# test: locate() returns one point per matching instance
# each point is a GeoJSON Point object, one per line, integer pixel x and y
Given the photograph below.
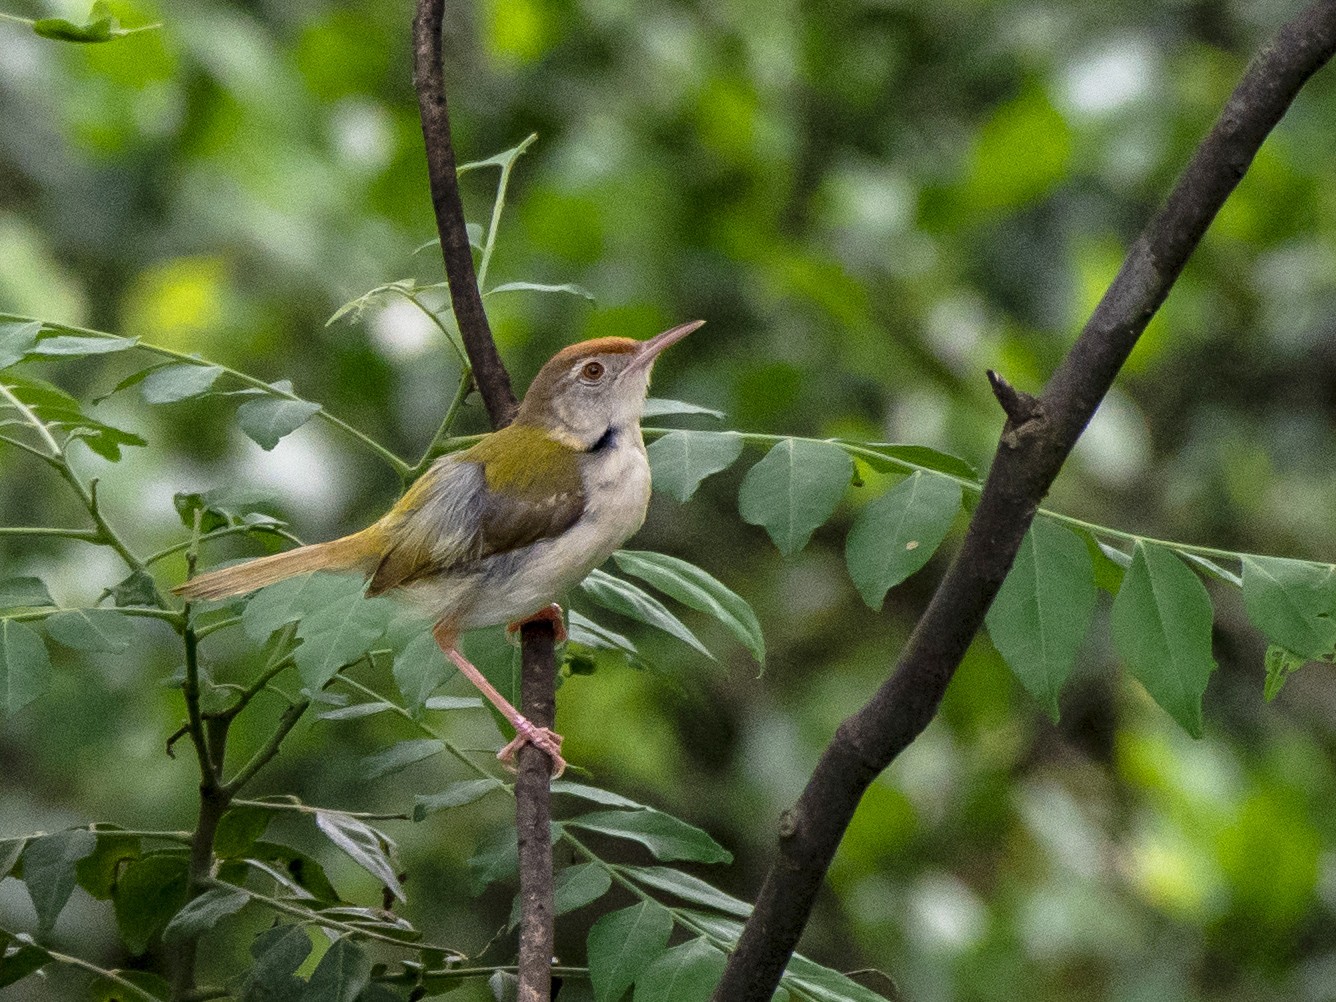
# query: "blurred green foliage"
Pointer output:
{"type": "Point", "coordinates": [870, 203]}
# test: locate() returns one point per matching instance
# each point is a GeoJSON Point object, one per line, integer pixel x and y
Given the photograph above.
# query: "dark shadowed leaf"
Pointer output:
{"type": "Point", "coordinates": [794, 489]}
{"type": "Point", "coordinates": [343, 972]}
{"type": "Point", "coordinates": [238, 831]}
{"type": "Point", "coordinates": [24, 593]}
{"type": "Point", "coordinates": [149, 893]}
{"type": "Point", "coordinates": [1162, 628]}
{"type": "Point", "coordinates": [19, 957]}
{"type": "Point", "coordinates": [622, 944]}
{"type": "Point", "coordinates": [98, 872]}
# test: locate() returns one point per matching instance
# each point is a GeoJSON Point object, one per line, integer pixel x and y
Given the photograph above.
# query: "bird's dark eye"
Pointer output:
{"type": "Point", "coordinates": [592, 372]}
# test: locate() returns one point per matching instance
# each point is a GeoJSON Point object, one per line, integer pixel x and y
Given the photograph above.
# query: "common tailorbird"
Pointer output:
{"type": "Point", "coordinates": [496, 533]}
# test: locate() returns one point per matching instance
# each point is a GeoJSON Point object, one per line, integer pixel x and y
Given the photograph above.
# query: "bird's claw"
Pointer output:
{"type": "Point", "coordinates": [544, 739]}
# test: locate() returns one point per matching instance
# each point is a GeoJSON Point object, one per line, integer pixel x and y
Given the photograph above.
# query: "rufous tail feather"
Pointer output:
{"type": "Point", "coordinates": [359, 552]}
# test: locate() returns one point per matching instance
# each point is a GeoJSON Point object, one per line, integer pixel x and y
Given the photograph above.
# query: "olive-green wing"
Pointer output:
{"type": "Point", "coordinates": [451, 518]}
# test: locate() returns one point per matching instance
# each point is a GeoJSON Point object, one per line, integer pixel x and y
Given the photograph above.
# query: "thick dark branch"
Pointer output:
{"type": "Point", "coordinates": [533, 817]}
{"type": "Point", "coordinates": [429, 80]}
{"type": "Point", "coordinates": [538, 700]}
{"type": "Point", "coordinates": [1026, 464]}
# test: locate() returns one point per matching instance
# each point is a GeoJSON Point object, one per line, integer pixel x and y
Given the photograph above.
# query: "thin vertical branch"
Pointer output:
{"type": "Point", "coordinates": [533, 795]}
{"type": "Point", "coordinates": [1038, 437]}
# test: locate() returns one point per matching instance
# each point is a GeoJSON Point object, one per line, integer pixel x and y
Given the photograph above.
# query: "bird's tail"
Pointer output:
{"type": "Point", "coordinates": [359, 552]}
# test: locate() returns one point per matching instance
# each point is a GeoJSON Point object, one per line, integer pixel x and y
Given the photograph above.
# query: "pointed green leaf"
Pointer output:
{"type": "Point", "coordinates": [898, 533]}
{"type": "Point", "coordinates": [794, 489]}
{"type": "Point", "coordinates": [290, 600]}
{"type": "Point", "coordinates": [399, 756]}
{"type": "Point", "coordinates": [337, 634]}
{"type": "Point", "coordinates": [454, 703]}
{"type": "Point", "coordinates": [1280, 665]}
{"type": "Point", "coordinates": [680, 460]}
{"type": "Point", "coordinates": [825, 985]}
{"type": "Point", "coordinates": [457, 794]}
{"type": "Point", "coordinates": [98, 872]}
{"type": "Point", "coordinates": [1162, 629]}
{"type": "Point", "coordinates": [203, 913]}
{"type": "Point", "coordinates": [16, 340]}
{"type": "Point", "coordinates": [580, 885]}
{"type": "Point", "coordinates": [419, 669]}
{"type": "Point", "coordinates": [570, 288]}
{"type": "Point", "coordinates": [19, 957]}
{"type": "Point", "coordinates": [267, 419]}
{"type": "Point", "coordinates": [149, 893]}
{"type": "Point", "coordinates": [1293, 602]}
{"type": "Point", "coordinates": [68, 344]}
{"type": "Point", "coordinates": [92, 630]}
{"type": "Point", "coordinates": [278, 953]}
{"type": "Point", "coordinates": [583, 630]}
{"type": "Point", "coordinates": [342, 974]}
{"type": "Point", "coordinates": [695, 588]}
{"type": "Point", "coordinates": [622, 944]}
{"type": "Point", "coordinates": [1043, 610]}
{"type": "Point", "coordinates": [25, 667]}
{"type": "Point", "coordinates": [686, 973]}
{"type": "Point", "coordinates": [629, 600]}
{"type": "Point", "coordinates": [369, 848]}
{"type": "Point", "coordinates": [688, 888]}
{"type": "Point", "coordinates": [356, 710]}
{"type": "Point", "coordinates": [598, 796]}
{"type": "Point", "coordinates": [659, 407]}
{"type": "Point", "coordinates": [890, 457]}
{"type": "Point", "coordinates": [238, 831]}
{"type": "Point", "coordinates": [667, 837]}
{"type": "Point", "coordinates": [24, 593]}
{"type": "Point", "coordinates": [50, 869]}
{"type": "Point", "coordinates": [172, 383]}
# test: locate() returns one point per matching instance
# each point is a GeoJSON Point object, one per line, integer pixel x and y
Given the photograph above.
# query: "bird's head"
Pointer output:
{"type": "Point", "coordinates": [595, 386]}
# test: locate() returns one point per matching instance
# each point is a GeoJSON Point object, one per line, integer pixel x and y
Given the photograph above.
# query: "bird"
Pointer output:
{"type": "Point", "coordinates": [497, 532]}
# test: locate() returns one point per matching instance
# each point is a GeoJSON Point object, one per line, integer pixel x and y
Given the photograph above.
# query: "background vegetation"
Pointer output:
{"type": "Point", "coordinates": [870, 204]}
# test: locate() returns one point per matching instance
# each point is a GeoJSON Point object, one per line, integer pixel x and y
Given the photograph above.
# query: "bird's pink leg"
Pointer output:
{"type": "Point", "coordinates": [543, 738]}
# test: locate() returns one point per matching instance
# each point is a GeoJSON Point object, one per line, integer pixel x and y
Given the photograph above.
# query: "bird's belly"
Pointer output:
{"type": "Point", "coordinates": [514, 585]}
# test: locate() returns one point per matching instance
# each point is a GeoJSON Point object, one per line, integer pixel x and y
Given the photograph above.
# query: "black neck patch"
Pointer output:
{"type": "Point", "coordinates": [606, 441]}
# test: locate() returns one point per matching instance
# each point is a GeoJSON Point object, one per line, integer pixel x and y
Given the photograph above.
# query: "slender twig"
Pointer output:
{"type": "Point", "coordinates": [287, 721]}
{"type": "Point", "coordinates": [462, 391]}
{"type": "Point", "coordinates": [110, 975]}
{"type": "Point", "coordinates": [290, 803]}
{"type": "Point", "coordinates": [1027, 461]}
{"type": "Point", "coordinates": [231, 530]}
{"type": "Point", "coordinates": [87, 535]}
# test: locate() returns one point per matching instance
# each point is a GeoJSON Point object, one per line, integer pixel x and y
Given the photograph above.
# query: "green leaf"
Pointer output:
{"type": "Point", "coordinates": [497, 857]}
{"type": "Point", "coordinates": [67, 344]}
{"type": "Point", "coordinates": [24, 593]}
{"type": "Point", "coordinates": [104, 989]}
{"type": "Point", "coordinates": [1110, 564]}
{"type": "Point", "coordinates": [898, 533]}
{"type": "Point", "coordinates": [298, 869]}
{"type": "Point", "coordinates": [686, 973]}
{"type": "Point", "coordinates": [794, 489]}
{"type": "Point", "coordinates": [583, 630]}
{"type": "Point", "coordinates": [622, 944]}
{"type": "Point", "coordinates": [883, 456]}
{"type": "Point", "coordinates": [1162, 629]}
{"type": "Point", "coordinates": [457, 794]}
{"type": "Point", "coordinates": [103, 439]}
{"type": "Point", "coordinates": [137, 588]}
{"type": "Point", "coordinates": [171, 383]}
{"type": "Point", "coordinates": [659, 407]}
{"type": "Point", "coordinates": [342, 974]}
{"type": "Point", "coordinates": [338, 634]}
{"type": "Point", "coordinates": [695, 588]}
{"type": "Point", "coordinates": [1043, 610]}
{"type": "Point", "coordinates": [569, 288]}
{"type": "Point", "coordinates": [92, 630]}
{"type": "Point", "coordinates": [288, 601]}
{"type": "Point", "coordinates": [19, 957]}
{"type": "Point", "coordinates": [203, 913]}
{"type": "Point", "coordinates": [278, 953]}
{"type": "Point", "coordinates": [50, 865]}
{"type": "Point", "coordinates": [25, 667]}
{"type": "Point", "coordinates": [1280, 664]}
{"type": "Point", "coordinates": [370, 849]}
{"type": "Point", "coordinates": [149, 893]}
{"type": "Point", "coordinates": [454, 703]}
{"type": "Point", "coordinates": [1293, 602]}
{"type": "Point", "coordinates": [356, 711]}
{"type": "Point", "coordinates": [825, 985]}
{"type": "Point", "coordinates": [629, 600]}
{"type": "Point", "coordinates": [680, 460]}
{"type": "Point", "coordinates": [667, 837]}
{"type": "Point", "coordinates": [267, 419]}
{"type": "Point", "coordinates": [10, 851]}
{"type": "Point", "coordinates": [238, 831]}
{"type": "Point", "coordinates": [580, 885]}
{"type": "Point", "coordinates": [596, 795]}
{"type": "Point", "coordinates": [506, 158]}
{"type": "Point", "coordinates": [688, 888]}
{"type": "Point", "coordinates": [399, 756]}
{"type": "Point", "coordinates": [419, 669]}
{"type": "Point", "coordinates": [16, 340]}
{"type": "Point", "coordinates": [98, 872]}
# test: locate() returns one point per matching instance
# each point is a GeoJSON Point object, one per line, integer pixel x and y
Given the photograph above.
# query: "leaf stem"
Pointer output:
{"type": "Point", "coordinates": [231, 530]}
{"type": "Point", "coordinates": [451, 414]}
{"type": "Point", "coordinates": [87, 535]}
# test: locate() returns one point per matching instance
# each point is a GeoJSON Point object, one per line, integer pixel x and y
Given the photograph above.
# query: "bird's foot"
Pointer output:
{"type": "Point", "coordinates": [551, 614]}
{"type": "Point", "coordinates": [544, 739]}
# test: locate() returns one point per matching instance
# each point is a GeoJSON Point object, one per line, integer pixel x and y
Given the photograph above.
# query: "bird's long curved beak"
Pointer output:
{"type": "Point", "coordinates": [649, 350]}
